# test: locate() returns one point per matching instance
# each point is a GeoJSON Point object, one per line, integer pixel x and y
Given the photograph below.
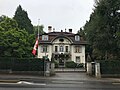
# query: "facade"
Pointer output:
{"type": "Point", "coordinates": [62, 47]}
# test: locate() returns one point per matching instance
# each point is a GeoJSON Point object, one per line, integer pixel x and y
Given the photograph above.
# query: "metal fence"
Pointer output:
{"type": "Point", "coordinates": [24, 64]}
{"type": "Point", "coordinates": [110, 66]}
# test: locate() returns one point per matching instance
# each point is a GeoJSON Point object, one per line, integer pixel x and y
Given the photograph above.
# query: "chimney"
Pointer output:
{"type": "Point", "coordinates": [70, 30]}
{"type": "Point", "coordinates": [53, 29]}
{"type": "Point", "coordinates": [65, 29]}
{"type": "Point", "coordinates": [49, 28]}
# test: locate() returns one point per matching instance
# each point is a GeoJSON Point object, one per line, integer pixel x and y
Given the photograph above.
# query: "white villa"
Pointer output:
{"type": "Point", "coordinates": [62, 46]}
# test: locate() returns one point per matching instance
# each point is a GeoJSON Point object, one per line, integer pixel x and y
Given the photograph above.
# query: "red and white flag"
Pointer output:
{"type": "Point", "coordinates": [35, 47]}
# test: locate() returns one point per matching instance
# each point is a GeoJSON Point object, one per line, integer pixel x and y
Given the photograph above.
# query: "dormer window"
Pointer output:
{"type": "Point", "coordinates": [77, 38]}
{"type": "Point", "coordinates": [45, 37]}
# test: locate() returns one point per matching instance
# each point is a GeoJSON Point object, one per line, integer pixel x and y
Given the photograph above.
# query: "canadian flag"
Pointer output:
{"type": "Point", "coordinates": [35, 47]}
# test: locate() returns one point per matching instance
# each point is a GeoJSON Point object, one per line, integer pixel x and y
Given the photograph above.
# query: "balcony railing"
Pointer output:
{"type": "Point", "coordinates": [61, 52]}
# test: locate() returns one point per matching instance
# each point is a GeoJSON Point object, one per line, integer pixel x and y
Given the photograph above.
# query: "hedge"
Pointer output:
{"type": "Point", "coordinates": [72, 64]}
{"type": "Point", "coordinates": [110, 66]}
{"type": "Point", "coordinates": [22, 64]}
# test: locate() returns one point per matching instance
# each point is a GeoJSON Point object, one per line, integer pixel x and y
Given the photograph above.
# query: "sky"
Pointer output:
{"type": "Point", "coordinates": [60, 14]}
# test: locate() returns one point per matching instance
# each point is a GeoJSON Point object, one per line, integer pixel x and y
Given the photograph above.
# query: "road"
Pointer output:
{"type": "Point", "coordinates": [62, 81]}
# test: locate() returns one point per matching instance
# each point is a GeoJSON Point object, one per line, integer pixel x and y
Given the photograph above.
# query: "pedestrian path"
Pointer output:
{"type": "Point", "coordinates": [70, 70]}
{"type": "Point", "coordinates": [61, 76]}
{"type": "Point", "coordinates": [78, 76]}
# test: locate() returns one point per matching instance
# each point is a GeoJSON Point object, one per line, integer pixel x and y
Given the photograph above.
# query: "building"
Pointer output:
{"type": "Point", "coordinates": [62, 46]}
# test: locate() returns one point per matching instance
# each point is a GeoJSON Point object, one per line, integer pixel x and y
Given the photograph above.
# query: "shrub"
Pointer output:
{"type": "Point", "coordinates": [56, 64]}
{"type": "Point", "coordinates": [70, 64]}
{"type": "Point", "coordinates": [21, 64]}
{"type": "Point", "coordinates": [80, 65]}
{"type": "Point", "coordinates": [110, 66]}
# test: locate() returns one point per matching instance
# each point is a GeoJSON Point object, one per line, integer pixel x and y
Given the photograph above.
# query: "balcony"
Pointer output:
{"type": "Point", "coordinates": [65, 53]}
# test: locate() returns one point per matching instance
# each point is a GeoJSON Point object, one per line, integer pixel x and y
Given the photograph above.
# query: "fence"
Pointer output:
{"type": "Point", "coordinates": [110, 66]}
{"type": "Point", "coordinates": [104, 68]}
{"type": "Point", "coordinates": [24, 64]}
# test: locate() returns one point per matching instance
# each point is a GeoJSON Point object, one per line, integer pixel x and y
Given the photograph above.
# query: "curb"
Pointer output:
{"type": "Point", "coordinates": [69, 71]}
{"type": "Point", "coordinates": [9, 81]}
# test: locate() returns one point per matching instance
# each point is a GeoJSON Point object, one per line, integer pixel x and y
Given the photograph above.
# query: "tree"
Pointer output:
{"type": "Point", "coordinates": [23, 20]}
{"type": "Point", "coordinates": [13, 41]}
{"type": "Point", "coordinates": [40, 30]}
{"type": "Point", "coordinates": [81, 32]}
{"type": "Point", "coordinates": [102, 29]}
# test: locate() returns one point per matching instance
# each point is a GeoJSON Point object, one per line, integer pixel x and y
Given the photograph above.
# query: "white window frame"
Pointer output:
{"type": "Point", "coordinates": [56, 48]}
{"type": "Point", "coordinates": [45, 37]}
{"type": "Point", "coordinates": [43, 49]}
{"type": "Point", "coordinates": [77, 38]}
{"type": "Point", "coordinates": [61, 48]}
{"type": "Point", "coordinates": [78, 49]}
{"type": "Point", "coordinates": [77, 59]}
{"type": "Point", "coordinates": [66, 49]}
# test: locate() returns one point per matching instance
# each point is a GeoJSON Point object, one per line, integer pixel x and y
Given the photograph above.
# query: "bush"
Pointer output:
{"type": "Point", "coordinates": [21, 64]}
{"type": "Point", "coordinates": [80, 65]}
{"type": "Point", "coordinates": [110, 66]}
{"type": "Point", "coordinates": [70, 64]}
{"type": "Point", "coordinates": [56, 64]}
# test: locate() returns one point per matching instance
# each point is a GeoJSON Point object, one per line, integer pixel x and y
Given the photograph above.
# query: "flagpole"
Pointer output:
{"type": "Point", "coordinates": [38, 35]}
{"type": "Point", "coordinates": [38, 28]}
{"type": "Point", "coordinates": [37, 41]}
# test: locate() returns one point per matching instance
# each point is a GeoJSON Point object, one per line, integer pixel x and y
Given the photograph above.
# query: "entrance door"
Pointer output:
{"type": "Point", "coordinates": [61, 62]}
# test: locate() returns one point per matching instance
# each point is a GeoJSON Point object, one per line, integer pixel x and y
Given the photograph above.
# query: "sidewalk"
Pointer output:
{"type": "Point", "coordinates": [59, 76]}
{"type": "Point", "coordinates": [69, 70]}
{"type": "Point", "coordinates": [81, 77]}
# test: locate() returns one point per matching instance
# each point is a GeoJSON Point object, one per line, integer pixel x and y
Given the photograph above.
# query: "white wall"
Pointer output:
{"type": "Point", "coordinates": [71, 48]}
{"type": "Point", "coordinates": [49, 53]}
{"type": "Point", "coordinates": [66, 42]}
{"type": "Point", "coordinates": [81, 54]}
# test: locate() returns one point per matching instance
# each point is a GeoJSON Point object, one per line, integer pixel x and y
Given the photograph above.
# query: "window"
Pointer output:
{"type": "Point", "coordinates": [78, 49]}
{"type": "Point", "coordinates": [61, 40]}
{"type": "Point", "coordinates": [77, 38]}
{"type": "Point", "coordinates": [61, 48]}
{"type": "Point", "coordinates": [44, 49]}
{"type": "Point", "coordinates": [45, 37]}
{"type": "Point", "coordinates": [66, 48]}
{"type": "Point", "coordinates": [56, 48]}
{"type": "Point", "coordinates": [77, 59]}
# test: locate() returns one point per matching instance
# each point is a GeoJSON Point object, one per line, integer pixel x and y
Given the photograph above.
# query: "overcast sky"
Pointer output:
{"type": "Point", "coordinates": [60, 14]}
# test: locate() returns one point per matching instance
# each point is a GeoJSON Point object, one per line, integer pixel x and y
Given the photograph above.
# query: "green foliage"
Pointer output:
{"type": "Point", "coordinates": [70, 64]}
{"type": "Point", "coordinates": [110, 66]}
{"type": "Point", "coordinates": [81, 32]}
{"type": "Point", "coordinates": [21, 64]}
{"type": "Point", "coordinates": [14, 42]}
{"type": "Point", "coordinates": [24, 23]}
{"type": "Point", "coordinates": [80, 65]}
{"type": "Point", "coordinates": [102, 30]}
{"type": "Point", "coordinates": [17, 37]}
{"type": "Point", "coordinates": [40, 28]}
{"type": "Point", "coordinates": [23, 20]}
{"type": "Point", "coordinates": [56, 64]}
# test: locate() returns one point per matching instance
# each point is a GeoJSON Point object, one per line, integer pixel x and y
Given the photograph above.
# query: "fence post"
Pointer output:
{"type": "Point", "coordinates": [47, 71]}
{"type": "Point", "coordinates": [97, 70]}
{"type": "Point", "coordinates": [93, 68]}
{"type": "Point", "coordinates": [89, 68]}
{"type": "Point", "coordinates": [52, 68]}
